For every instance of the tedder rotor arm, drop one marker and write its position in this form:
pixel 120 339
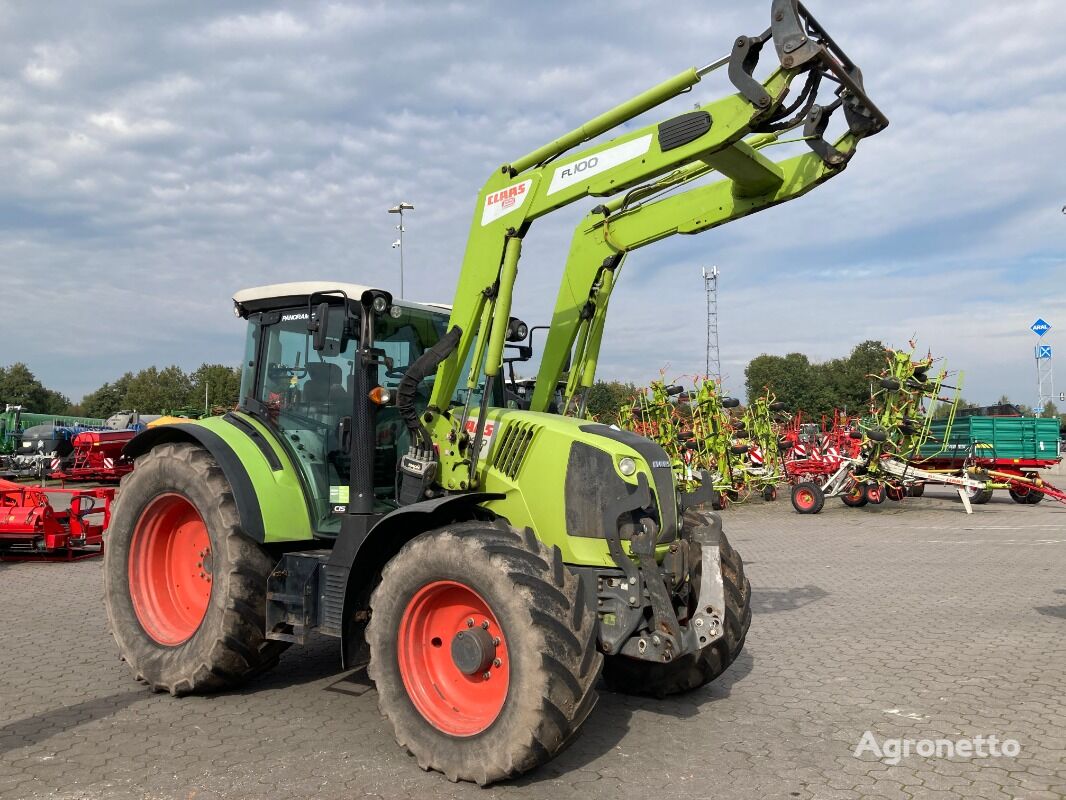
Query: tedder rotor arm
pixel 542 182
pixel 614 229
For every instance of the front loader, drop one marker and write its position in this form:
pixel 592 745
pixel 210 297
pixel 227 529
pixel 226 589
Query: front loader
pixel 486 563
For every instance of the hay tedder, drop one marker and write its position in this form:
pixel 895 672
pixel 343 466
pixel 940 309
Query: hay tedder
pixel 886 463
pixel 33 529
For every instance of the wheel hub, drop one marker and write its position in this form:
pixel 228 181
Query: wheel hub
pixel 473 651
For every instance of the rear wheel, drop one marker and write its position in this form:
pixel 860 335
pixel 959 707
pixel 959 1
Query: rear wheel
pixel 1020 494
pixel 483 651
pixel 807 498
pixel 769 493
pixel 632 676
pixel 895 493
pixel 875 494
pixel 916 490
pixel 855 497
pixel 185 589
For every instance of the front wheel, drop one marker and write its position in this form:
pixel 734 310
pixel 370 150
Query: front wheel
pixel 979 496
pixel 483 651
pixel 855 496
pixel 807 497
pixel 185 589
pixel 875 494
pixel 691 671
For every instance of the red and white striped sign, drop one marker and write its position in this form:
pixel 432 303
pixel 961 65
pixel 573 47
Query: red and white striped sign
pixel 756 455
pixel 55 464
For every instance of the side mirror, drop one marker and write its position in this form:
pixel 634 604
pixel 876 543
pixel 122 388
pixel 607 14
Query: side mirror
pixel 317 325
pixel 524 353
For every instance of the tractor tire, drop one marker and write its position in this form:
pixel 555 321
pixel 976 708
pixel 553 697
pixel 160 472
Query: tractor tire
pixel 916 490
pixel 769 493
pixel 185 589
pixel 807 497
pixel 471 600
pixel 652 678
pixel 978 497
pixel 855 497
pixel 1034 498
pixel 895 493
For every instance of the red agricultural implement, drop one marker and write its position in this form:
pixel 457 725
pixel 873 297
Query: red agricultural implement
pixel 97 457
pixel 32 529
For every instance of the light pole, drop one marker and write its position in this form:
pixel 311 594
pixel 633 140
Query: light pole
pixel 399 209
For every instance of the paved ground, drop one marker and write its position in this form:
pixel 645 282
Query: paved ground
pixel 911 621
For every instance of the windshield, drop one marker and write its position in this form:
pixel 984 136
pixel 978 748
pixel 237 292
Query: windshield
pixel 305 393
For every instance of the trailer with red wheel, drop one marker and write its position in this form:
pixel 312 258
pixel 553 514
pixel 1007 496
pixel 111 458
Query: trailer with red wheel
pixel 33 529
pixel 1010 451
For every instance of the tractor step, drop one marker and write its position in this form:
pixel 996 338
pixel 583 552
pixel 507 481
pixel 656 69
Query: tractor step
pixel 298 598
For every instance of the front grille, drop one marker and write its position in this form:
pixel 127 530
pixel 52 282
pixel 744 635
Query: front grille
pixel 512 449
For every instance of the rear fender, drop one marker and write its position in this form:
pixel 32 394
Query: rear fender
pixel 266 488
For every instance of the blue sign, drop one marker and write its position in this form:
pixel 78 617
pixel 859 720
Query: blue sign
pixel 1043 351
pixel 1040 327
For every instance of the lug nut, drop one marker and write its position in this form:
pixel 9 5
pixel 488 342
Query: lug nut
pixel 470 623
pixel 485 625
pixel 486 675
pixel 497 663
pixel 495 641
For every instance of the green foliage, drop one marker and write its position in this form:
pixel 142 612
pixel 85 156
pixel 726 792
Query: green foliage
pixel 19 386
pixel 223 385
pixel 817 388
pixel 604 399
pixel 108 399
pixel 154 391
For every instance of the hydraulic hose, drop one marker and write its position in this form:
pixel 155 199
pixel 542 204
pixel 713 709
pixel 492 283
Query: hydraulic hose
pixel 423 367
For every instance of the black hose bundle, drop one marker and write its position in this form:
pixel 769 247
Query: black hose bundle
pixel 423 366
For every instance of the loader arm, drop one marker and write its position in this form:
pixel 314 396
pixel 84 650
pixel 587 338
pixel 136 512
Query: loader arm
pixel 612 230
pixel 545 180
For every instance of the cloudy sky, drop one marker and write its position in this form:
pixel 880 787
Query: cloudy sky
pixel 157 156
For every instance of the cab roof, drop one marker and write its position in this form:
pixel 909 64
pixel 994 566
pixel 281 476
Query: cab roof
pixel 287 295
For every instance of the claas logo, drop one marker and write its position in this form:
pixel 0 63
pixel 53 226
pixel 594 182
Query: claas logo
pixel 506 197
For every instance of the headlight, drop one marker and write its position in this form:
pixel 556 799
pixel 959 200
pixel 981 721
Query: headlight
pixel 627 466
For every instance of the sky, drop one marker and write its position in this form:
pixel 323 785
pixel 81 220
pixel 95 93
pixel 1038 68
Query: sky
pixel 155 157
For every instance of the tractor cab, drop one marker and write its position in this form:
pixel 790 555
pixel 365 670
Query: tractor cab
pixel 303 387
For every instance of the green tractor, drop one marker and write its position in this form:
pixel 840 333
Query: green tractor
pixel 488 564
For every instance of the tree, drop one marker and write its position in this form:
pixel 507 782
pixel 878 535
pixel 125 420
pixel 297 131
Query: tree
pixel 1050 409
pixel 794 381
pixel 604 399
pixel 108 399
pixel 153 390
pixel 223 385
pixel 19 386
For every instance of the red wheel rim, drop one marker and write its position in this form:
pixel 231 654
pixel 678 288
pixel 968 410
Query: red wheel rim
pixel 805 498
pixel 451 700
pixel 873 494
pixel 170 569
pixel 855 493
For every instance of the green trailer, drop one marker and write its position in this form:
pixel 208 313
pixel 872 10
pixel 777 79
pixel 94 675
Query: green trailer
pixel 1010 450
pixel 13 421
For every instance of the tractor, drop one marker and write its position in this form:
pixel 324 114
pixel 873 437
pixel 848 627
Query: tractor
pixel 486 563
